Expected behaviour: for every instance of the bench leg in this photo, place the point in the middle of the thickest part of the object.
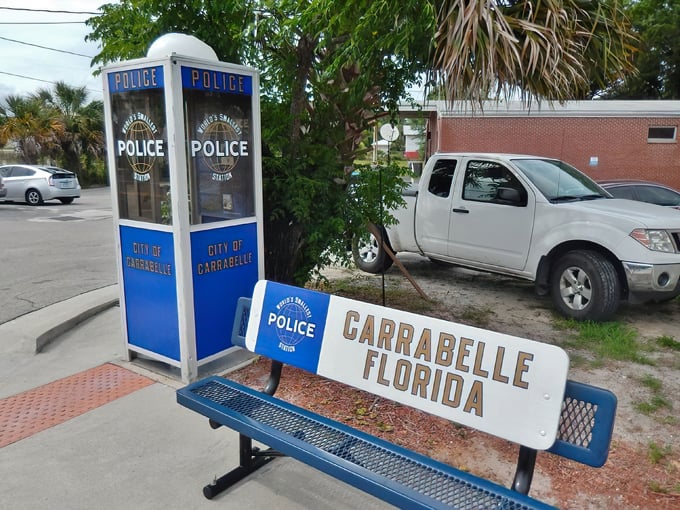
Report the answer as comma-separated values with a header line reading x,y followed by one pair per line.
x,y
274,377
250,460
525,470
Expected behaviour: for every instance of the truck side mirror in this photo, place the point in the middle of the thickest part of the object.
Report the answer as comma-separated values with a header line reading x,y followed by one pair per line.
x,y
509,196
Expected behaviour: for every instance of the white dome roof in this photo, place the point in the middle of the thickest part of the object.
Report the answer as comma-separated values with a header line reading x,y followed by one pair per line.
x,y
181,44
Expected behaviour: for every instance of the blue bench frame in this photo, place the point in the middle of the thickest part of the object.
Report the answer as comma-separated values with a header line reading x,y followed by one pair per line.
x,y
357,458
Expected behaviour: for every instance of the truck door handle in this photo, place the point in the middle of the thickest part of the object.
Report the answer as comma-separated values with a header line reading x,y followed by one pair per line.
x,y
461,210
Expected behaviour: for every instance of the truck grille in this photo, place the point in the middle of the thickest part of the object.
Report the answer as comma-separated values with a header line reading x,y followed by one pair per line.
x,y
676,240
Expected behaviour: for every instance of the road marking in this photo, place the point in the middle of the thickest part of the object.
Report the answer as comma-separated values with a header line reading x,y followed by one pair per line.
x,y
84,215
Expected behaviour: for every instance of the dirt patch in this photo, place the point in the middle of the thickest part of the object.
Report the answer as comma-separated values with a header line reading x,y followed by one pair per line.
x,y
643,470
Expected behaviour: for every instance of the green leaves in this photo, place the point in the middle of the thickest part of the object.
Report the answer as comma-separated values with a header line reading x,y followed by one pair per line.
x,y
374,191
126,29
657,23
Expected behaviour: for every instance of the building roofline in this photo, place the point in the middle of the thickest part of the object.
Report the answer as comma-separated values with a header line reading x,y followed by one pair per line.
x,y
594,108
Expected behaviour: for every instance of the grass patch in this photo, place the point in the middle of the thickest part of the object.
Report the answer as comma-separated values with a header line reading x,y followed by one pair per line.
x,y
658,453
371,292
651,382
655,486
658,401
668,342
579,360
477,316
655,403
607,340
670,420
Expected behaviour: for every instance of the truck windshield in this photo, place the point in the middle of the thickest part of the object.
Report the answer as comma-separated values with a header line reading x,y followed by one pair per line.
x,y
558,181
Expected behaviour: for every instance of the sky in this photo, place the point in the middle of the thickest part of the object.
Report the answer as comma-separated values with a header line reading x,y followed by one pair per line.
x,y
27,63
24,68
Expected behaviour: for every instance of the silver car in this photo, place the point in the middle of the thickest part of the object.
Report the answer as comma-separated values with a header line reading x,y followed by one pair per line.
x,y
36,183
643,191
3,190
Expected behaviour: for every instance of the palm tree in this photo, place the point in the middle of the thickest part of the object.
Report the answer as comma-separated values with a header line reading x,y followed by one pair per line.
x,y
82,123
33,129
553,49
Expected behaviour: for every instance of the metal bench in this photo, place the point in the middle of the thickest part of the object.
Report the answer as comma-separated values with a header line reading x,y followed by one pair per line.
x,y
401,477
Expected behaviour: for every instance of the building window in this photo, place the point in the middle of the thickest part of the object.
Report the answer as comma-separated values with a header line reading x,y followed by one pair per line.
x,y
661,134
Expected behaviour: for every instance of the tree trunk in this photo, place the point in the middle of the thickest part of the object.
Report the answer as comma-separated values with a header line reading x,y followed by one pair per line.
x,y
284,236
72,158
305,57
28,148
284,239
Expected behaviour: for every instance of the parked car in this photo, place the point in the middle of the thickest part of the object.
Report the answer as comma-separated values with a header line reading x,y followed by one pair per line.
x,y
37,183
643,191
3,190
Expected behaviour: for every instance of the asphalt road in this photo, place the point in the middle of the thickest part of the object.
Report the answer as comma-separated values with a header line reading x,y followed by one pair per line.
x,y
54,252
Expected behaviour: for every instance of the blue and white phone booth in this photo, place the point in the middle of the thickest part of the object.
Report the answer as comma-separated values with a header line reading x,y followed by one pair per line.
x,y
184,157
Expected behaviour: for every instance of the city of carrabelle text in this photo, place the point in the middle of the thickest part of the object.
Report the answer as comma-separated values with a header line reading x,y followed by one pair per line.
x,y
436,366
221,264
220,258
141,250
150,266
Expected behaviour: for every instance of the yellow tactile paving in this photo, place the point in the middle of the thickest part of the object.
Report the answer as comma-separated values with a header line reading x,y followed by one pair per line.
x,y
38,409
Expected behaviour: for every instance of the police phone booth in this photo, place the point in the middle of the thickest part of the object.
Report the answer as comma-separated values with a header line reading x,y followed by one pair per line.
x,y
183,141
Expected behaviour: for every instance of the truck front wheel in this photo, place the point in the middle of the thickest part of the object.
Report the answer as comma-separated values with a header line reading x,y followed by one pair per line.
x,y
585,286
369,255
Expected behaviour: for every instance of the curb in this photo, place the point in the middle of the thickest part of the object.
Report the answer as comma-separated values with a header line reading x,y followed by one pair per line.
x,y
36,329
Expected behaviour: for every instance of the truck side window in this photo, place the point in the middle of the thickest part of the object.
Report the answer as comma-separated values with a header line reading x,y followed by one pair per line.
x,y
442,177
488,181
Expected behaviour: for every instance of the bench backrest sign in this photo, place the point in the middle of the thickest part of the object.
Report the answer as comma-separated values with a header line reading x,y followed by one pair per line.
x,y
507,386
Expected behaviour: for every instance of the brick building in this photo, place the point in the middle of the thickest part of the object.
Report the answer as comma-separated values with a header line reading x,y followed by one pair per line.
x,y
605,139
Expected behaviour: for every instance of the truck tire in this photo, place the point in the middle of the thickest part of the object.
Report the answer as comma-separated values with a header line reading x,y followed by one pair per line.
x,y
368,255
585,286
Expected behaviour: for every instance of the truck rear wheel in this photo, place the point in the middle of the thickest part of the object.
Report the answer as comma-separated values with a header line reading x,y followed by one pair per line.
x,y
585,286
369,255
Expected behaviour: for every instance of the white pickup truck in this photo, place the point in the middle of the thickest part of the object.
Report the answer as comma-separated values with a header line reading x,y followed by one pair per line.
x,y
538,219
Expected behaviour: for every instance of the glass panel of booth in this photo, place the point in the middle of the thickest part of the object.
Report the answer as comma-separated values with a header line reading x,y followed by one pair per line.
x,y
219,132
140,134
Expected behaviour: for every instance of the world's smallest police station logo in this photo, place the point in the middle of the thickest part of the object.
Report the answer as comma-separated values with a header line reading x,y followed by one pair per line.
x,y
220,145
140,145
292,322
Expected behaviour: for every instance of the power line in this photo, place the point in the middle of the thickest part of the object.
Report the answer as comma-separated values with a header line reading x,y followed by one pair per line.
x,y
38,79
41,22
49,10
25,77
46,48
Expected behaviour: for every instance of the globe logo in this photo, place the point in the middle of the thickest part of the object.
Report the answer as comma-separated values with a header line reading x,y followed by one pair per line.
x,y
292,323
137,133
219,162
295,313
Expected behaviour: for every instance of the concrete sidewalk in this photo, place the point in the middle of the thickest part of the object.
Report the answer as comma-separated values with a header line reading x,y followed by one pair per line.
x,y
137,451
